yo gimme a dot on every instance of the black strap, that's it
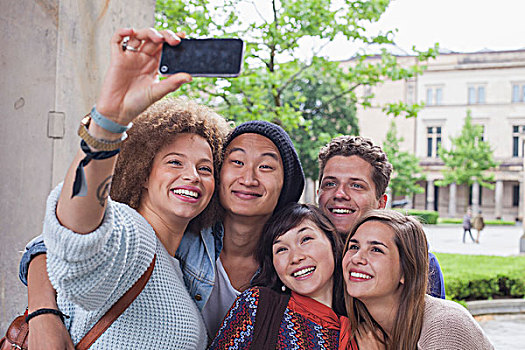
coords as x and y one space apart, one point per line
270 312
80 184
46 311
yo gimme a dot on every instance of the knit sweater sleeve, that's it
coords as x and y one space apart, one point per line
96 269
237 328
448 325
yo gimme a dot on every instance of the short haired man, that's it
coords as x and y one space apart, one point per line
353 177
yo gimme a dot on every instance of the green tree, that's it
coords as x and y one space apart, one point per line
468 159
407 171
271 86
326 120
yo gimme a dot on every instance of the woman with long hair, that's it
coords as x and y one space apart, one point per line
164 178
299 298
385 269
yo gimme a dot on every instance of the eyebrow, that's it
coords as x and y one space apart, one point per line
266 154
301 230
185 156
369 242
351 178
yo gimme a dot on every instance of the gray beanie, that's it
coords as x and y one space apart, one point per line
293 183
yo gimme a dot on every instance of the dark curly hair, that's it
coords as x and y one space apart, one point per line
363 147
283 221
156 127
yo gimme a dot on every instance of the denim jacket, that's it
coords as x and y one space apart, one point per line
197 254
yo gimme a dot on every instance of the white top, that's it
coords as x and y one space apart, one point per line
221 299
91 272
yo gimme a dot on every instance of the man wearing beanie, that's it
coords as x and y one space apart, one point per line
261 173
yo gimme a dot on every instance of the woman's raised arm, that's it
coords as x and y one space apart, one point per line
130 86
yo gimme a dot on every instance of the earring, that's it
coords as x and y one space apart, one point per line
283 288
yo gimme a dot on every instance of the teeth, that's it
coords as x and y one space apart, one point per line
341 211
303 272
360 275
186 193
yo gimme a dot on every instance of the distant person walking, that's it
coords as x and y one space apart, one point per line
467 225
479 224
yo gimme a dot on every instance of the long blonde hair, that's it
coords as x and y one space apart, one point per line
411 243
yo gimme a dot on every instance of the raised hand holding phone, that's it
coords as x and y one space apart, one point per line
131 83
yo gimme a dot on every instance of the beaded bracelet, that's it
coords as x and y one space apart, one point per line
46 311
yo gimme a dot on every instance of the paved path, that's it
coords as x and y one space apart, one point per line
494 240
507 332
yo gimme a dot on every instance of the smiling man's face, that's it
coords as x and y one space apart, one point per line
347 191
252 176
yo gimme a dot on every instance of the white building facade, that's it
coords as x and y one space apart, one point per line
489 84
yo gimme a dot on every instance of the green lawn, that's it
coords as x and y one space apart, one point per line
474 277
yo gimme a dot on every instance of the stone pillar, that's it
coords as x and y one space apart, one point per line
430 195
498 199
452 207
475 198
520 203
54 56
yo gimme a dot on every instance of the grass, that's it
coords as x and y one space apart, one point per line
487 222
460 265
474 277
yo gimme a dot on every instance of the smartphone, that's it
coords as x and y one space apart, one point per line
203 57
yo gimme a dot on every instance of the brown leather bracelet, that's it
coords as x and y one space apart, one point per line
98 144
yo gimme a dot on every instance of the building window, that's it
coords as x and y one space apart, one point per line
518 92
515 195
434 96
430 94
517 147
410 94
476 95
439 95
433 141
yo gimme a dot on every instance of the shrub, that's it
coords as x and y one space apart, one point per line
477 277
425 216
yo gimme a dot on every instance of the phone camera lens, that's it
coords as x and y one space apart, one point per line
163 69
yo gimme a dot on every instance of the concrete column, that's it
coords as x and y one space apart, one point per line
498 199
475 198
520 203
430 195
54 56
452 205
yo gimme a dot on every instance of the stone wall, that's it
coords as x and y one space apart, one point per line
52 63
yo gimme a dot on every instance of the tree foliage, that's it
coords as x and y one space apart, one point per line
278 82
407 171
469 158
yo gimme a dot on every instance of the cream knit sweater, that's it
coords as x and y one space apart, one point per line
449 326
91 272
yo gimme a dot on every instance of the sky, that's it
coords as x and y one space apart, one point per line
457 25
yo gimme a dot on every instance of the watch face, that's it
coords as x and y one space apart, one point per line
86 121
